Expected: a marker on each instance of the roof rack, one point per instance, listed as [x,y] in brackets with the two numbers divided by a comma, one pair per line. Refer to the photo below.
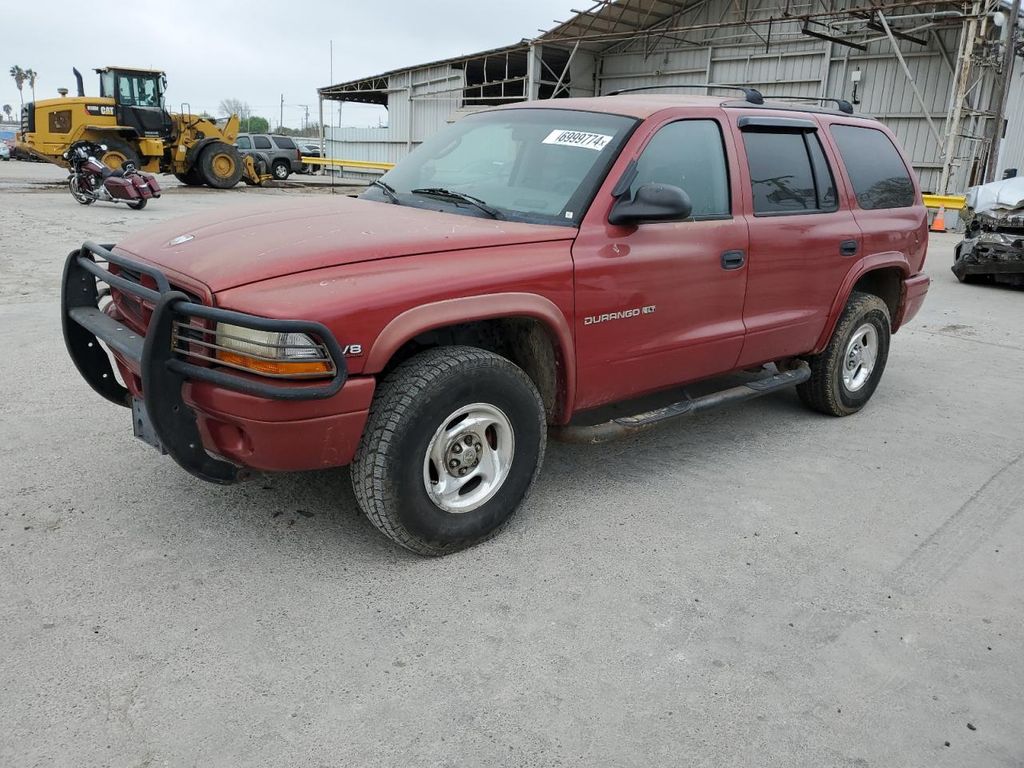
[750,94]
[842,104]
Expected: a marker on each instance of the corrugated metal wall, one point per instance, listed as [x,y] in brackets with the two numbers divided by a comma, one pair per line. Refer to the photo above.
[812,67]
[1012,148]
[777,61]
[420,101]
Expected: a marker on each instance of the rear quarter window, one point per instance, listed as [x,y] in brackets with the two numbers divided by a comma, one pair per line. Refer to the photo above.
[261,142]
[283,142]
[876,170]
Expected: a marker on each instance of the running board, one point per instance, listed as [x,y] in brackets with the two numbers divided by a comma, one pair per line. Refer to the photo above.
[630,425]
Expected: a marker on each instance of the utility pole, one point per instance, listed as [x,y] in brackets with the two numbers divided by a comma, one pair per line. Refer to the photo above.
[956,106]
[1001,91]
[280,123]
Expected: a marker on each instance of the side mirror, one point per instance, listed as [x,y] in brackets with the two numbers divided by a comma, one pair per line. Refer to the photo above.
[652,202]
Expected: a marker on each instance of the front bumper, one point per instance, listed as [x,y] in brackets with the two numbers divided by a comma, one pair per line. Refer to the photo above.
[195,410]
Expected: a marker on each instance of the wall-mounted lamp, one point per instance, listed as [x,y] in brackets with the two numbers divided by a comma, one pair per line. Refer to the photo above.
[855,79]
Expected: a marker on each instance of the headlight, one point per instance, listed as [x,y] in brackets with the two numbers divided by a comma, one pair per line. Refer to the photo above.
[271,353]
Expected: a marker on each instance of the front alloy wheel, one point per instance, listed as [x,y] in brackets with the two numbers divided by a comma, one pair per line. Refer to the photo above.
[452,446]
[468,458]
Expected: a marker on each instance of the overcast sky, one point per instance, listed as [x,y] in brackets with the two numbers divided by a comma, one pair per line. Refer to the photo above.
[256,50]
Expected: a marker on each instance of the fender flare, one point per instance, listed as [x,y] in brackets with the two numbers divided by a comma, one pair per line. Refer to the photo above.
[876,261]
[494,306]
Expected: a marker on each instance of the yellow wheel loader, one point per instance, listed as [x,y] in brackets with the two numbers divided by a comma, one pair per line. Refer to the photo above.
[129,117]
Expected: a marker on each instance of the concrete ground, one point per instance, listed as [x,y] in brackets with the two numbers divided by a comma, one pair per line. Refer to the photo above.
[760,586]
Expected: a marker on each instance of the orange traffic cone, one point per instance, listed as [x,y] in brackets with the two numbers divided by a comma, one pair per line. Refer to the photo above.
[939,222]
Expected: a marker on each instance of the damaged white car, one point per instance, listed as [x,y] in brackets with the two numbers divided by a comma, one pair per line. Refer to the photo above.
[992,250]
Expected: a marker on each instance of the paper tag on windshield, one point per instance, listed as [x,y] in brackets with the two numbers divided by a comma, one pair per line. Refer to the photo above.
[595,141]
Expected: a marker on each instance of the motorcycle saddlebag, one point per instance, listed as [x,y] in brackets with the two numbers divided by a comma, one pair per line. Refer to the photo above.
[121,189]
[146,185]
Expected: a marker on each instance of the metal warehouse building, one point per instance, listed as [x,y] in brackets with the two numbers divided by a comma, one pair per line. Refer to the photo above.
[938,73]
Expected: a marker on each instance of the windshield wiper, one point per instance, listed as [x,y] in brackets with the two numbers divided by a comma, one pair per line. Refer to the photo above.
[494,213]
[388,190]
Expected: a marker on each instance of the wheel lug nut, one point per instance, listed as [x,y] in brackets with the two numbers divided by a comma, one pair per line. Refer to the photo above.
[463,471]
[453,463]
[457,448]
[469,440]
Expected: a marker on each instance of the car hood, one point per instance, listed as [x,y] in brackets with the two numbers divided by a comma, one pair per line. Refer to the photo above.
[262,241]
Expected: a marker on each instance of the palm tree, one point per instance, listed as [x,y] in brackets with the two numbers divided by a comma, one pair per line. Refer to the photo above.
[19,79]
[7,111]
[31,75]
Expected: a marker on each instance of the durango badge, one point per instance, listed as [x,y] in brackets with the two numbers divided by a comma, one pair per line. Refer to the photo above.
[620,315]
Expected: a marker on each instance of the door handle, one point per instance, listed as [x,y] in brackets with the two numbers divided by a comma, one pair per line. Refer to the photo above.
[733,259]
[848,248]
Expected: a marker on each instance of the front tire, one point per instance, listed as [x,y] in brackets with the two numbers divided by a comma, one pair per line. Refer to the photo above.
[846,374]
[220,165]
[76,193]
[453,445]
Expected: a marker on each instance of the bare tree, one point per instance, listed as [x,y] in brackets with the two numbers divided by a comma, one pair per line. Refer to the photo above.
[238,107]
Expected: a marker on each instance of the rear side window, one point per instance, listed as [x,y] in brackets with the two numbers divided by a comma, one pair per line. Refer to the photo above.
[788,173]
[242,142]
[879,177]
[283,142]
[261,142]
[688,154]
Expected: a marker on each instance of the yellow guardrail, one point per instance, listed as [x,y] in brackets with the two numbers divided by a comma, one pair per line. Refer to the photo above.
[949,202]
[363,164]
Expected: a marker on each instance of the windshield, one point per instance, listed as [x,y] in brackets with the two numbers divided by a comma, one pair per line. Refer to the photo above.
[138,91]
[540,165]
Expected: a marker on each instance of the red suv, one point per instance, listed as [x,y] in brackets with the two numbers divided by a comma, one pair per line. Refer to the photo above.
[524,265]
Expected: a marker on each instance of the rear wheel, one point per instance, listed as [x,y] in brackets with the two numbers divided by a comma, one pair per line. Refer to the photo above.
[846,374]
[281,170]
[117,153]
[191,177]
[454,442]
[139,204]
[219,165]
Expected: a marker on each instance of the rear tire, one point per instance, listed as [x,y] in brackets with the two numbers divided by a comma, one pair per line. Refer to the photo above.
[118,152]
[139,204]
[219,165]
[190,177]
[452,447]
[280,170]
[846,374]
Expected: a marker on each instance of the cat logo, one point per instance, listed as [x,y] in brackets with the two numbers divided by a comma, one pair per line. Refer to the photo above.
[100,109]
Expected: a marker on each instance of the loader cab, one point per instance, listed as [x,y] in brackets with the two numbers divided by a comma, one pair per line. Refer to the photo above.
[138,96]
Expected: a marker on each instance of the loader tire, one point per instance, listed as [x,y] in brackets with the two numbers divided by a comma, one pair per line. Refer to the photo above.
[220,165]
[118,152]
[191,177]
